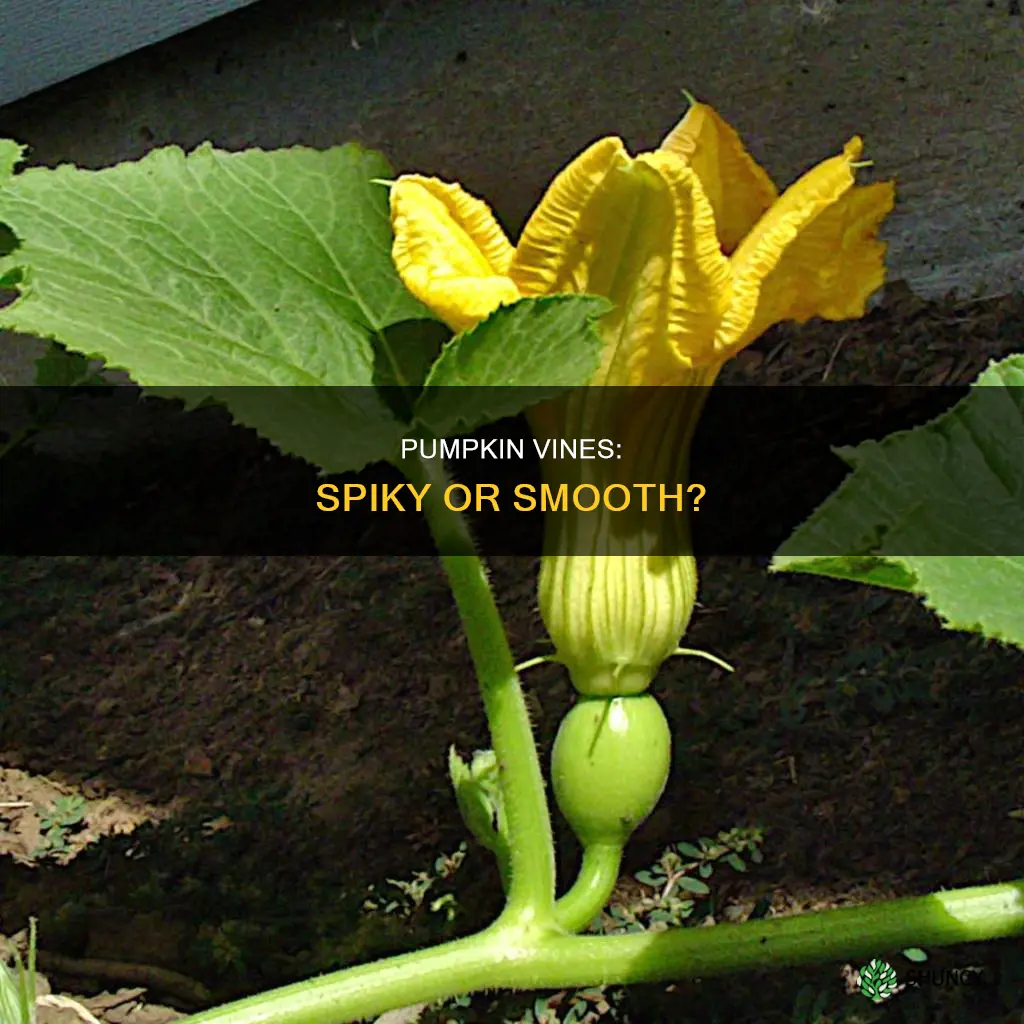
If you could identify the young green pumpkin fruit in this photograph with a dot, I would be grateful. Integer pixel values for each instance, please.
(609, 766)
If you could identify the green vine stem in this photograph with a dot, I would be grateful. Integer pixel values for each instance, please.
(592, 889)
(531, 861)
(512, 956)
(527, 947)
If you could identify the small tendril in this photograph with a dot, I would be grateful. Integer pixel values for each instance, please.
(706, 656)
(534, 662)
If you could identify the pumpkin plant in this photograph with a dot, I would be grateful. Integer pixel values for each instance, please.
(323, 279)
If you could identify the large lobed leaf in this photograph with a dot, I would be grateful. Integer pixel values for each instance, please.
(937, 511)
(261, 279)
(212, 268)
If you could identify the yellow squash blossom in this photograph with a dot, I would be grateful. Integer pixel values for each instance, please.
(700, 254)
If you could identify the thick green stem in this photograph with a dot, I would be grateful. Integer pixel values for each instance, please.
(512, 957)
(593, 886)
(531, 889)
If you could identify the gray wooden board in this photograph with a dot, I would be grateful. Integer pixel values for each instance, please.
(47, 41)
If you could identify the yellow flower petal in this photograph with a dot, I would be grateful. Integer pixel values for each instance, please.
(846, 274)
(569, 224)
(449, 251)
(670, 281)
(641, 233)
(815, 253)
(737, 187)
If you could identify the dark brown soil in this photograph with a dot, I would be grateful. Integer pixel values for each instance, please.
(297, 712)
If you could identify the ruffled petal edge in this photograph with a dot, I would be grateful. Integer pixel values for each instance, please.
(450, 251)
(814, 253)
(738, 188)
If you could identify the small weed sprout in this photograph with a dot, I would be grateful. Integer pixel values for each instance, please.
(407, 897)
(679, 882)
(59, 821)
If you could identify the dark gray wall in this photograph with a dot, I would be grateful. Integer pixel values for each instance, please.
(500, 94)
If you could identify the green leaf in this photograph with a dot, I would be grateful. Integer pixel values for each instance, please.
(216, 273)
(404, 355)
(61, 368)
(874, 571)
(915, 955)
(10, 156)
(689, 850)
(474, 805)
(337, 429)
(8, 243)
(937, 511)
(521, 354)
(694, 885)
